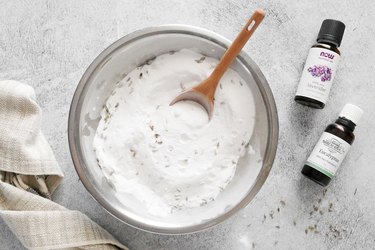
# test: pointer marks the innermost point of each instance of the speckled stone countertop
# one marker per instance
(48, 44)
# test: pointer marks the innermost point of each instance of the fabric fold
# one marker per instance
(29, 174)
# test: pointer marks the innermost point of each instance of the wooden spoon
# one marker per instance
(204, 92)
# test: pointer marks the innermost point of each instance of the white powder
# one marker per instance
(172, 158)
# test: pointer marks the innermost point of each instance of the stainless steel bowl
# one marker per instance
(122, 57)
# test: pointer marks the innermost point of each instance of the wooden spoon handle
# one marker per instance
(237, 45)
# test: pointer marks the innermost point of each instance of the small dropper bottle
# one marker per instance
(321, 64)
(332, 146)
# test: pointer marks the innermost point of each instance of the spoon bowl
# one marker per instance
(204, 93)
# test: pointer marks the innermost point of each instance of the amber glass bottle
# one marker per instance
(321, 64)
(333, 146)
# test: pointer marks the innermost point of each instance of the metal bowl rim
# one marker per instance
(273, 131)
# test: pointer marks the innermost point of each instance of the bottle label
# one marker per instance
(328, 154)
(318, 74)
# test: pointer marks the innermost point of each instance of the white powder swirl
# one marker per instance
(172, 158)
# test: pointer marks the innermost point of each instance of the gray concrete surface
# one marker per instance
(49, 44)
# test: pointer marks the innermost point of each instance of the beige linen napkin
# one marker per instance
(29, 174)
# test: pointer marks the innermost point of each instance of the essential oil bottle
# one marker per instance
(332, 146)
(321, 64)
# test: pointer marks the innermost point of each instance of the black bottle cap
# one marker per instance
(331, 31)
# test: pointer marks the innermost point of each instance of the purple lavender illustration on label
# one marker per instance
(321, 71)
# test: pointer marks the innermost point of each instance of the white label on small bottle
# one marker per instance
(318, 74)
(328, 154)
